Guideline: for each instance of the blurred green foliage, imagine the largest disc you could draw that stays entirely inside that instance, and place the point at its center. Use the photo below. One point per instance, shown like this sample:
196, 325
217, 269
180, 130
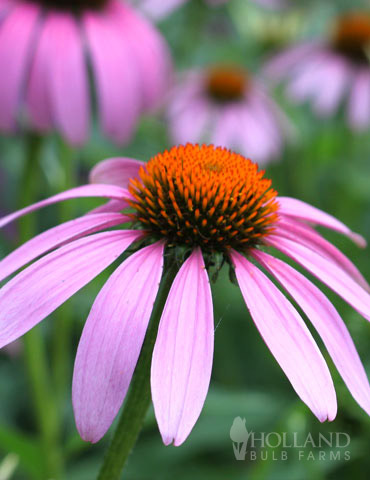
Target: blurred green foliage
328, 166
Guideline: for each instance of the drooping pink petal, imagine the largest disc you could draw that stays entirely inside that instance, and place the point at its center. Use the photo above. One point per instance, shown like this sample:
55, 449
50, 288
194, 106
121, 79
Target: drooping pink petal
280, 64
41, 288
334, 78
190, 87
112, 339
68, 82
303, 233
359, 101
183, 352
305, 79
190, 123
18, 29
55, 237
270, 119
116, 80
280, 118
151, 55
104, 191
38, 100
189, 112
256, 140
326, 271
303, 211
224, 124
288, 339
116, 171
327, 322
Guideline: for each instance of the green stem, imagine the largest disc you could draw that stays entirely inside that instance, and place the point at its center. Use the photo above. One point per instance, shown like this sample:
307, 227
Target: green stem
34, 348
138, 399
62, 325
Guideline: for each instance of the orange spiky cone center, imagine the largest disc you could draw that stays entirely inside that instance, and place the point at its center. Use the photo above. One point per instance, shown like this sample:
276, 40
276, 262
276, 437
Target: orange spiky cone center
226, 84
352, 36
204, 196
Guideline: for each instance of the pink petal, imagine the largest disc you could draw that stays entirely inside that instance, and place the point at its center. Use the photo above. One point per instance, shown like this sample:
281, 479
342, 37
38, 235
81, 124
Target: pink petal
359, 101
38, 92
188, 111
40, 289
305, 79
225, 123
306, 235
270, 117
285, 127
281, 64
68, 83
327, 322
303, 211
104, 191
116, 171
189, 124
288, 339
254, 136
183, 352
16, 40
151, 54
334, 78
190, 86
116, 80
55, 237
112, 339
326, 271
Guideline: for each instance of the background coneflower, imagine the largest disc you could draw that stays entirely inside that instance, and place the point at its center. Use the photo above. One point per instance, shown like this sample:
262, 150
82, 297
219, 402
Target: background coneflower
325, 72
226, 106
42, 51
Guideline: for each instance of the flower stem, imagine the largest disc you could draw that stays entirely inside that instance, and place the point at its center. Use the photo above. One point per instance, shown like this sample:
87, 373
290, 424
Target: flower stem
62, 326
138, 399
34, 348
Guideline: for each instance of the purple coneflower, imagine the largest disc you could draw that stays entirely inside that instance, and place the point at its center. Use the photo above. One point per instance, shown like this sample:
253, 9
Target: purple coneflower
325, 72
44, 73
203, 205
225, 106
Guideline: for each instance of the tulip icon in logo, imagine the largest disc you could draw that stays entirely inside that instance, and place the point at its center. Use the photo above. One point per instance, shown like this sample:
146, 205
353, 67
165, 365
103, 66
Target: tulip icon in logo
239, 436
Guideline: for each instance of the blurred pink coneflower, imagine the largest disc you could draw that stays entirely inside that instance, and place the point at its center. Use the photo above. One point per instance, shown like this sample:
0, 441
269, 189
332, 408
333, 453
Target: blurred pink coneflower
226, 106
328, 71
44, 69
204, 205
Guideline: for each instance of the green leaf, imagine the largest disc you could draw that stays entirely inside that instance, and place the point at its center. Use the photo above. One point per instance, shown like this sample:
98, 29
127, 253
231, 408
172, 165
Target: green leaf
26, 448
